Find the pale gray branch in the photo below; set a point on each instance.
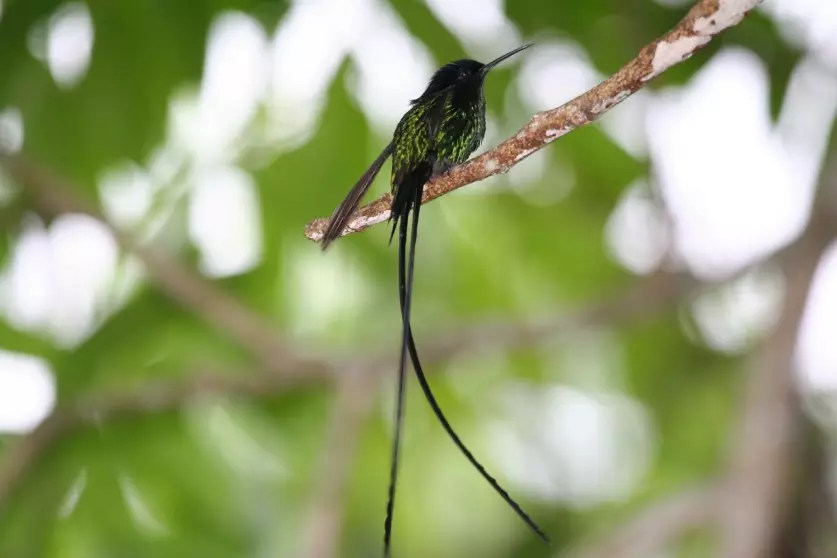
(655, 528)
(53, 195)
(156, 397)
(764, 446)
(325, 517)
(640, 300)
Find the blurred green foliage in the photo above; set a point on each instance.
(230, 478)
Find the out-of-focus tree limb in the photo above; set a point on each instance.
(706, 19)
(152, 398)
(765, 446)
(810, 529)
(640, 300)
(322, 537)
(748, 503)
(656, 527)
(53, 195)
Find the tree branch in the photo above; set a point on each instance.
(655, 528)
(746, 504)
(705, 20)
(764, 449)
(762, 453)
(325, 517)
(153, 398)
(53, 195)
(640, 300)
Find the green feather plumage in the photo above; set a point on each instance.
(441, 128)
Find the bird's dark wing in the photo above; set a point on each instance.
(444, 128)
(414, 138)
(338, 220)
(434, 117)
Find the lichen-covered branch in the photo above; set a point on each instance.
(705, 20)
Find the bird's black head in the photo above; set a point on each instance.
(465, 72)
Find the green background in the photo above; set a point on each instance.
(236, 473)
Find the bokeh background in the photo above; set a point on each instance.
(632, 317)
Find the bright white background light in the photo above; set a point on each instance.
(69, 43)
(27, 392)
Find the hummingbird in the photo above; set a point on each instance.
(440, 130)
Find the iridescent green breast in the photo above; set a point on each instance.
(440, 127)
(411, 141)
(461, 132)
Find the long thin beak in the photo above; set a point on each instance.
(487, 67)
